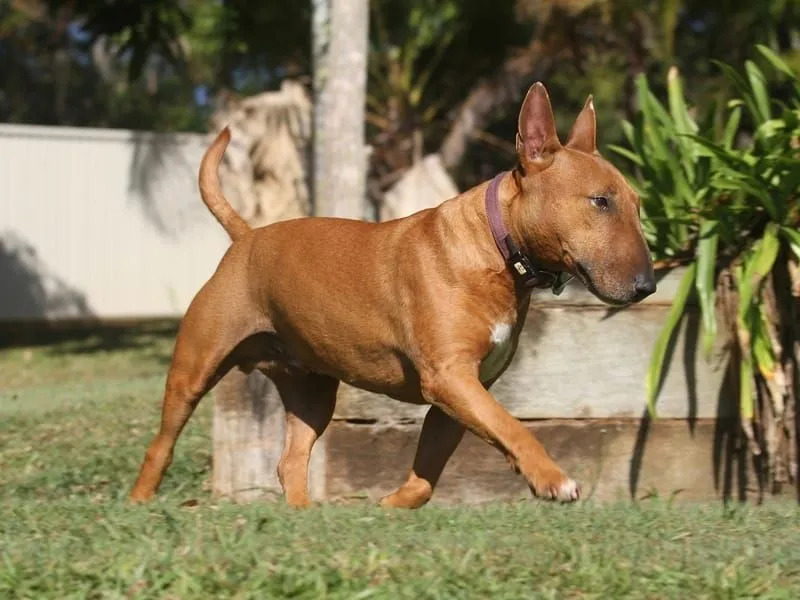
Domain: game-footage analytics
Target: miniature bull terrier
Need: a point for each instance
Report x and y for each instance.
(425, 309)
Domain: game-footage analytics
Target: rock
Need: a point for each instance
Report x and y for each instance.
(424, 185)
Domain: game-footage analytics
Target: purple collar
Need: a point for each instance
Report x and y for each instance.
(525, 274)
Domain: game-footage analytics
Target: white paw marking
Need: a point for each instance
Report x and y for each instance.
(569, 491)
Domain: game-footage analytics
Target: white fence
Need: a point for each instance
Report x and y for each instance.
(101, 223)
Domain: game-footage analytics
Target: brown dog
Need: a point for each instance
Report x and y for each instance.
(425, 309)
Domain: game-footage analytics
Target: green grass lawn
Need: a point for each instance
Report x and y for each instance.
(76, 415)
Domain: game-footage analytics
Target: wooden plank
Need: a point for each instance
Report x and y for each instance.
(612, 460)
(581, 362)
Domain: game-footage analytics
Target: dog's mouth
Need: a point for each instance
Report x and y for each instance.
(584, 275)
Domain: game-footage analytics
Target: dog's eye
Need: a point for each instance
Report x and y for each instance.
(600, 202)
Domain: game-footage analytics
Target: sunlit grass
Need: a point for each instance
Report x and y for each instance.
(70, 445)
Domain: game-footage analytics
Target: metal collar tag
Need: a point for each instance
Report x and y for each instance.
(520, 266)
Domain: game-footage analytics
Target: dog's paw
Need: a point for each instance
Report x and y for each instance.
(568, 491)
(562, 489)
(139, 498)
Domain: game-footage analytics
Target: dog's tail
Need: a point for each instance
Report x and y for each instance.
(211, 191)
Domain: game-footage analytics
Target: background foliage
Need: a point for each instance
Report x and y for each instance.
(720, 190)
(443, 75)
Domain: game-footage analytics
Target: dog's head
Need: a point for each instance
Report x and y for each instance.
(575, 212)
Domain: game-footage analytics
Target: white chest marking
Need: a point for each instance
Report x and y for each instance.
(495, 360)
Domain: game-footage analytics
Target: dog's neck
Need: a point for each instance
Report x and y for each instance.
(525, 225)
(480, 252)
(525, 273)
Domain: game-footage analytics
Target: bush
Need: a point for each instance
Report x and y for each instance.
(720, 191)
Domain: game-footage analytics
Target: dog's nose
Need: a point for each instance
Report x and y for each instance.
(643, 286)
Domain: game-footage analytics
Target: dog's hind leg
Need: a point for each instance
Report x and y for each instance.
(438, 440)
(309, 401)
(209, 342)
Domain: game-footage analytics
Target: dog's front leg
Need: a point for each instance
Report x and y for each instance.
(458, 392)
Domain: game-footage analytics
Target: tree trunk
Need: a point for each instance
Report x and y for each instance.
(340, 80)
(265, 177)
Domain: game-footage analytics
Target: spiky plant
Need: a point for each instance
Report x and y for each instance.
(720, 194)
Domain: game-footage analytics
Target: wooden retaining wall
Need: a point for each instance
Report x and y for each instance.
(577, 381)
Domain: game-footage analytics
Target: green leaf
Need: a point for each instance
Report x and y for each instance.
(655, 370)
(763, 351)
(735, 173)
(759, 87)
(677, 103)
(731, 128)
(728, 179)
(793, 237)
(682, 121)
(768, 251)
(756, 267)
(733, 75)
(706, 280)
(776, 61)
(631, 156)
(725, 155)
(769, 128)
(628, 130)
(650, 105)
(742, 86)
(656, 110)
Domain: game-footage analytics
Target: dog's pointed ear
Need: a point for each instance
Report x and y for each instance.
(537, 140)
(583, 136)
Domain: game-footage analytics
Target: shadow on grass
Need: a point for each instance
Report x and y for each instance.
(91, 337)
